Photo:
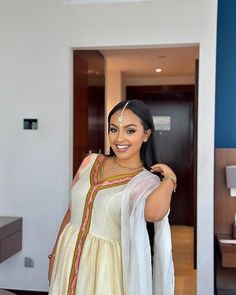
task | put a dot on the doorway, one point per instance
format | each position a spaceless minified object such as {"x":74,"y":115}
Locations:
{"x":178,"y":100}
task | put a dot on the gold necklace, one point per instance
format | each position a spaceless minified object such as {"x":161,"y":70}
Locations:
{"x":124,"y":167}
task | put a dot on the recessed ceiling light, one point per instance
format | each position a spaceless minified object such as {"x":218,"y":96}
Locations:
{"x":158,"y":70}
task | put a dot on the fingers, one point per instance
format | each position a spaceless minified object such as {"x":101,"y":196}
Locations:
{"x":158,"y":167}
{"x":163,"y":169}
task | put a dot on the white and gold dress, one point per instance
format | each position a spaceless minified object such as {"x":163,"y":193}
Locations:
{"x":88,"y":256}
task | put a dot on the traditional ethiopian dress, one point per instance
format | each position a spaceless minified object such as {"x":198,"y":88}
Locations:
{"x":100,"y":251}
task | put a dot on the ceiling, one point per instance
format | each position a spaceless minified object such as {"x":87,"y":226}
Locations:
{"x":174,"y":61}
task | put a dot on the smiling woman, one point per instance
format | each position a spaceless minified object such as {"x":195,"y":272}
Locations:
{"x":127,"y":138}
{"x":138,"y":125}
{"x":103,"y":239}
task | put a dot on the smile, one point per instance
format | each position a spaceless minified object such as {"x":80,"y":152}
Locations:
{"x":121,"y":147}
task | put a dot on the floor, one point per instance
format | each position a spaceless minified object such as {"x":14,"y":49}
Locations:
{"x":185,"y":275}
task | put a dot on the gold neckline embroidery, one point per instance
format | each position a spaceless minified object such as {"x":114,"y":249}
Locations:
{"x":102,"y":179}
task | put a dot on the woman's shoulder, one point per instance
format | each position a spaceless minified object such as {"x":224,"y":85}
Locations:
{"x":149,"y":176}
{"x":89,"y":158}
{"x":144,"y":181}
{"x":141,"y":186}
{"x":85,"y":164}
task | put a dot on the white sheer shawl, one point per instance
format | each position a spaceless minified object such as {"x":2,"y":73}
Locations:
{"x":136,"y":256}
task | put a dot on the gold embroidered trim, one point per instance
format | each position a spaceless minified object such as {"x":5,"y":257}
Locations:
{"x":91,"y":196}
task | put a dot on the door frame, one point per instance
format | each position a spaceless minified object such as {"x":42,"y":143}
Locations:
{"x":205,"y":160}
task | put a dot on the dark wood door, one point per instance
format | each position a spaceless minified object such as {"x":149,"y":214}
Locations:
{"x":88,"y":104}
{"x":96,"y":116}
{"x":80,"y":110}
{"x":174,"y":147}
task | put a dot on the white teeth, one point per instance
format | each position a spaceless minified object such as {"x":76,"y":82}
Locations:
{"x":122,"y":146}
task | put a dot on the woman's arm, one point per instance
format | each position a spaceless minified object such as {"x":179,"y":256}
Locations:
{"x":65,"y":221}
{"x":158,"y":202}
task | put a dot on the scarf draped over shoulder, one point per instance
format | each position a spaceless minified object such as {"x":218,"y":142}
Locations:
{"x":140,"y":278}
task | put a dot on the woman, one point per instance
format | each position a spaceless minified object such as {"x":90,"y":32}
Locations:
{"x":103,"y":246}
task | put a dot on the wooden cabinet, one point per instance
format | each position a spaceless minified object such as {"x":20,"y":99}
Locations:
{"x":10,"y":236}
{"x":225,"y":208}
{"x":227,"y":250}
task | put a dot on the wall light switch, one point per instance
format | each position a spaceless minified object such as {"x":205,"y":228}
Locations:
{"x":29,"y":262}
{"x":30,"y":124}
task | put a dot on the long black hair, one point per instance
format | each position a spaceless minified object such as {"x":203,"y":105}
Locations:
{"x":147,"y":152}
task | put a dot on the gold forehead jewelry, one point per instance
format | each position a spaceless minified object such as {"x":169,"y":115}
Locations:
{"x":120,"y":119}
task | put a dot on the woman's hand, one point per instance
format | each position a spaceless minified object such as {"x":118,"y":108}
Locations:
{"x":164,"y":170}
{"x":51,"y":262}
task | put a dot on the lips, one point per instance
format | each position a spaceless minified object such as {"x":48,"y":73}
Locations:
{"x":121,"y":147}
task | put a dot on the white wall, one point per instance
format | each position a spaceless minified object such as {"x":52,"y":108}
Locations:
{"x":113,"y":94}
{"x":36,"y":81}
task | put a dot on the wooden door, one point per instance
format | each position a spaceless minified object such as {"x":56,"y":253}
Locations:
{"x":174,"y":147}
{"x":80,"y":110}
{"x":88,"y":104}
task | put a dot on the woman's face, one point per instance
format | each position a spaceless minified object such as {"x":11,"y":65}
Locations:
{"x":127,"y":138}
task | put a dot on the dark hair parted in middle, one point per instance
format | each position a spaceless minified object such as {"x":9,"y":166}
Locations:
{"x":147,"y":152}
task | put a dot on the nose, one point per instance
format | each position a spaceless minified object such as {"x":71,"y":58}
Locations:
{"x":120,"y":136}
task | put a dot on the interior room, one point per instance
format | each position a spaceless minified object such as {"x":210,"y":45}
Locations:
{"x":39,"y":40}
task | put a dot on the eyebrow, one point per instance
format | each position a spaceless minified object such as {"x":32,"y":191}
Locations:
{"x":126,"y":126}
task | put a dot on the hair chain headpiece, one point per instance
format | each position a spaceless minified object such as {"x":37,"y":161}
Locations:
{"x":120,"y":119}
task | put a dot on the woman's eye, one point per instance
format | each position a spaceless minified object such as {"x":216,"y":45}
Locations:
{"x":112,"y":130}
{"x":130,"y":131}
